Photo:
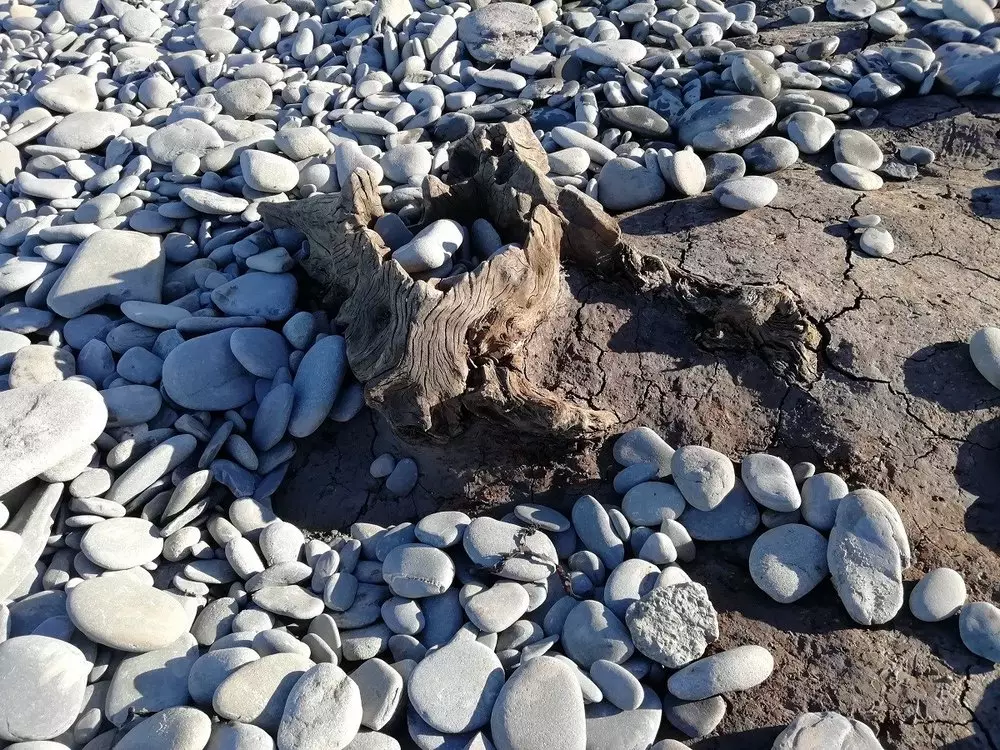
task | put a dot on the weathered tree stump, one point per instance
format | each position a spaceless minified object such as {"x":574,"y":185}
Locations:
{"x":433,"y":355}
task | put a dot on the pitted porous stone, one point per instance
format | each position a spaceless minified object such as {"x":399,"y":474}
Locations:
{"x":674,"y":625}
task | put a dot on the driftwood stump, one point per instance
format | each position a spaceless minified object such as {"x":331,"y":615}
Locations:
{"x":434,"y":354}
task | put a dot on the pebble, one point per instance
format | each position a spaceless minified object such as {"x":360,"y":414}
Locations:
{"x":820,"y":495}
{"x":499,"y":32}
{"x":770,"y":481}
{"x":737,"y":669}
{"x":211,"y":669}
{"x":454,"y":688}
{"x":540,"y":706}
{"x":418,"y":570}
{"x":120,"y":612}
{"x":857,"y":148}
{"x":877,"y":242}
{"x":489,"y":543}
{"x":703,"y":476}
{"x":179,"y":728}
{"x":789,"y":561}
{"x":256,"y":693}
{"x":694,"y":718}
{"x":43,"y":689}
{"x":826,"y":730}
{"x":674,"y":625}
{"x":940,"y":594}
{"x":979,"y":627}
{"x":317,"y":382}
{"x":623,"y":185}
{"x":592,"y":631}
{"x":746,"y":193}
{"x":736,"y":517}
{"x":122,"y":543}
{"x":770,"y":154}
{"x":609,"y":726}
{"x":594,"y":528}
{"x":323,"y":710}
{"x":984,"y":348}
{"x":146,"y":683}
{"x":617,"y":684}
{"x":643,"y":445}
{"x":865,"y":562}
{"x":856,"y":177}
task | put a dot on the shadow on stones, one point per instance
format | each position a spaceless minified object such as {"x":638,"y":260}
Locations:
{"x":986,"y":201}
{"x":944,"y":373}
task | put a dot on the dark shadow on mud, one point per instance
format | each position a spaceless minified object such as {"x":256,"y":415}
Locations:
{"x":986,"y":202}
{"x":944,"y":374}
{"x":977,"y":470}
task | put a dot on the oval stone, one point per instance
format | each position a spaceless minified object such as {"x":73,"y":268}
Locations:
{"x":455,"y":687}
{"x":739,"y":668}
{"x":122,"y":543}
{"x":724,"y":123}
{"x":789,"y":561}
{"x":939,"y":595}
{"x":541,"y":706}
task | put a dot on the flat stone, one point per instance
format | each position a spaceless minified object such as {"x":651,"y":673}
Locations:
{"x":746,"y":193}
{"x":84,"y":131}
{"x":239,"y":736}
{"x":725,"y":123}
{"x":501,"y":31}
{"x":256,"y":693}
{"x":382,"y":691}
{"x":268,"y":173}
{"x":639,"y":119}
{"x":979,"y":627}
{"x":545,"y":518}
{"x":261,"y":351}
{"x":739,"y":668}
{"x":267,"y":295}
{"x":865,"y":559}
{"x":617,"y":684}
{"x":43,"y":688}
{"x":203,"y":373}
{"x":611,"y":53}
{"x":122,"y":543}
{"x":592,"y":631}
{"x":68,"y":93}
{"x":117,"y":611}
{"x":826,"y":731}
{"x":141,"y":475}
{"x":111,"y":266}
{"x":442,"y":529}
{"x":809,"y":131}
{"x":323,"y":711}
{"x":489,"y":543}
{"x":789,"y":561}
{"x":770,"y":154}
{"x":856,"y":177}
{"x":497,"y":607}
{"x":293,"y":602}
{"x":938,"y":595}
{"x":455,"y":687}
{"x":146,"y":683}
{"x":540,"y":706}
{"x":857,"y":148}
{"x":43,"y":425}
{"x":609,"y":726}
{"x":703,"y":476}
{"x":180,"y":728}
{"x":673,"y":626}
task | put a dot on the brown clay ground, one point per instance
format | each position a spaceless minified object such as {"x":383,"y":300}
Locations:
{"x":896,"y":405}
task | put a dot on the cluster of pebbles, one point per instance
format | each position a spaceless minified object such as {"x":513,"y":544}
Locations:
{"x":233,"y":631}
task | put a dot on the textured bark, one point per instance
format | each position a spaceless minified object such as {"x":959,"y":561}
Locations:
{"x":433,"y":354}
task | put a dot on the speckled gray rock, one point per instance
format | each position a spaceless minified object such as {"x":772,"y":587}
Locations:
{"x":938,"y":595}
{"x":820,"y":495}
{"x":703,"y":476}
{"x":624,"y":184}
{"x":864,"y":559}
{"x":739,"y":668}
{"x":454,"y":688}
{"x":43,"y":688}
{"x":382,"y":691}
{"x":323,"y":711}
{"x":591,"y":631}
{"x":789,"y":561}
{"x":979,"y":626}
{"x":735,"y":517}
{"x":673,"y":626}
{"x":488,"y":542}
{"x":857,"y":148}
{"x":501,"y":31}
{"x":826,"y":731}
{"x":541,"y":706}
{"x":770,"y":482}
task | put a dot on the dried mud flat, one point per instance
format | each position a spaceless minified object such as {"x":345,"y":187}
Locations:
{"x":894,"y":403}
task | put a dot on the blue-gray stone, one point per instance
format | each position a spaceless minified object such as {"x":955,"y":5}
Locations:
{"x":317,"y":382}
{"x":202,"y":373}
{"x":269,"y":295}
{"x":260,"y":350}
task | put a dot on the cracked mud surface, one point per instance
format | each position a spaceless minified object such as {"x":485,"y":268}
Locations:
{"x":896,"y":404}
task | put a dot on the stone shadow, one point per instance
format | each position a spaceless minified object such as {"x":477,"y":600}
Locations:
{"x":977,"y":470}
{"x":986,"y":202}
